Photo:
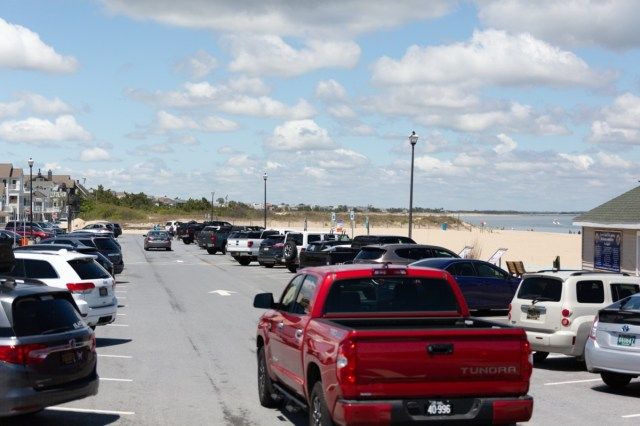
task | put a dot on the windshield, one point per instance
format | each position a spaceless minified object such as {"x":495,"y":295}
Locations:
{"x":370,"y":254}
{"x":158,"y":234}
{"x":541,"y":288}
{"x":88,"y":269}
{"x":392,"y":294}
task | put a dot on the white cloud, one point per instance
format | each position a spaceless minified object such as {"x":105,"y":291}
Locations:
{"x":271,"y":55}
{"x":579,"y":162}
{"x":326,"y":18}
{"x":315,"y":172}
{"x":300,"y":135}
{"x":490,"y":58}
{"x":274,"y":165}
{"x":619,"y":122}
{"x":10,"y":109}
{"x":198,"y":65}
{"x":506,"y":144}
{"x":341,"y":158}
{"x":41,"y":105}
{"x":249,"y":85}
{"x":21,"y":48}
{"x":330,"y":90}
{"x":612,"y":24}
{"x":167,"y":122}
{"x":341,"y":111}
{"x":435,"y":167}
{"x":226,"y":98}
{"x":466,"y":160}
{"x":94,"y":154}
{"x":613,"y":161}
{"x":64,"y":128}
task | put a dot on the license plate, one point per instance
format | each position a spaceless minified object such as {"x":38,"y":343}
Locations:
{"x":104,"y":291}
{"x":266,"y":249}
{"x":626,"y":340}
{"x":439,"y":408}
{"x":68,"y":358}
{"x":533,"y":314}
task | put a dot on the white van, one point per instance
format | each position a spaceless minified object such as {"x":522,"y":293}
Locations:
{"x":557,"y":308}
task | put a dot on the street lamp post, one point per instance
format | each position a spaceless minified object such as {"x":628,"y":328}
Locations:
{"x":413,"y":139}
{"x":30,"y":189}
{"x":265,"y":199}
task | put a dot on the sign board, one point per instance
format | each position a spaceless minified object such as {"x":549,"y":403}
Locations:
{"x":466,"y":251}
{"x":333,"y":216}
{"x":495,"y":258}
{"x":352,"y":215}
{"x":607,"y":247}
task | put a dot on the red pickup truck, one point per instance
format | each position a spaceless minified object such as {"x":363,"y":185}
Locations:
{"x":365,"y":345}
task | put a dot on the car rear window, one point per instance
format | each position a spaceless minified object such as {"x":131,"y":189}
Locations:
{"x":296,"y":238}
{"x":540,"y":288}
{"x":88,"y":269}
{"x":620,"y":291}
{"x":370,"y":254}
{"x":273,"y":239}
{"x":106,"y":244}
{"x":590,"y":291}
{"x":312,"y":238}
{"x":44,"y":314}
{"x":390,"y":294}
{"x":253,"y":234}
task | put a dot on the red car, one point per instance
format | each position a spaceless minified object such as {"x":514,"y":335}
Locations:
{"x":368,"y":345}
{"x":30,"y":231}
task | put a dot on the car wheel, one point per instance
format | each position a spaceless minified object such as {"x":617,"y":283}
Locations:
{"x":212,"y":251}
{"x":186,"y":241}
{"x":224,"y":248}
{"x":292,"y":268}
{"x":290,"y":251}
{"x":615,"y":380}
{"x":318,"y":412}
{"x":146,"y":249}
{"x":243,"y":261}
{"x":265,"y":386}
{"x":540,"y":356}
{"x":268,"y":265}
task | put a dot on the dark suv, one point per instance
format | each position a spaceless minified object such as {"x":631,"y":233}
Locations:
{"x":106,"y":245}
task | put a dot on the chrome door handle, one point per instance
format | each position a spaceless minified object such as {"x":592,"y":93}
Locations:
{"x":298,"y":334}
{"x":281,"y":325}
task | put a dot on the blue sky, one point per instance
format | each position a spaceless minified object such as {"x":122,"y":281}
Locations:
{"x":518,"y":105}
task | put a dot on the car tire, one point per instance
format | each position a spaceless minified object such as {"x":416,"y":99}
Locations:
{"x":224,"y":248}
{"x":212,"y":251}
{"x":186,"y":241}
{"x":290,"y":251}
{"x":146,"y":249}
{"x":615,"y":380}
{"x":268,"y":265}
{"x":318,"y":412}
{"x":539,"y":356}
{"x":243,"y":261}
{"x":261,"y":263}
{"x":265,"y":386}
{"x":292,"y":268}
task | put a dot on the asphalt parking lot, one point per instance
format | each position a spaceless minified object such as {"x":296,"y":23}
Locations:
{"x":182,"y":352}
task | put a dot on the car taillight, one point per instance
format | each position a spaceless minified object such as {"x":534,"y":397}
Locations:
{"x":565,"y":322}
{"x":278,"y":245}
{"x":346,"y":363}
{"x":81,"y":288}
{"x":566,"y":313}
{"x":389,"y":271}
{"x":509,"y":314}
{"x":594,"y":328}
{"x":19,"y":354}
{"x":213,"y":238}
{"x":250,"y":244}
{"x":93,"y":343}
{"x":150,"y":238}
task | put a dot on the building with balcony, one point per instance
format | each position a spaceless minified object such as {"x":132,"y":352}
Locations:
{"x":13,"y":203}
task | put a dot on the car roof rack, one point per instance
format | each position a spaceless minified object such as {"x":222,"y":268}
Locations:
{"x":624,"y":274}
{"x":557,"y":270}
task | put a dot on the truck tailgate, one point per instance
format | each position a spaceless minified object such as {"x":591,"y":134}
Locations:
{"x":441,"y":363}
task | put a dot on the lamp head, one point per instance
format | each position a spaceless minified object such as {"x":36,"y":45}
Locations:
{"x":30,"y":162}
{"x":413,"y":139}
{"x":264,"y":176}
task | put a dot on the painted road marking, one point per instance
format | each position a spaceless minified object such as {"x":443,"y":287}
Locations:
{"x":87,"y":410}
{"x":117,"y":325}
{"x":106,"y":379}
{"x":115,"y":356}
{"x":222,"y":292}
{"x":572,"y":381}
{"x":124,"y":315}
{"x":629,"y":416}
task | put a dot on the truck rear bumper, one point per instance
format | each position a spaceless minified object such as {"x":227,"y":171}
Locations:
{"x":465,"y":411}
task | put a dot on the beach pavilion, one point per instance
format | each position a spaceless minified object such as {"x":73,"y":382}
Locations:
{"x":611,"y":234}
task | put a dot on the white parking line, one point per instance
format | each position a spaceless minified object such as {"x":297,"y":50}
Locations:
{"x":572,"y":381}
{"x":124,"y":315}
{"x":117,"y":325}
{"x":106,"y":379}
{"x":115,"y":356}
{"x":86,"y":410}
{"x":121,"y":291}
{"x":629,"y":416}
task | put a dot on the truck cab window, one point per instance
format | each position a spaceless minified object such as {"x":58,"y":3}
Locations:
{"x":289,"y":295}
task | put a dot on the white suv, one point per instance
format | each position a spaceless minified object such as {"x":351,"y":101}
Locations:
{"x":91,"y":285}
{"x":557,"y":308}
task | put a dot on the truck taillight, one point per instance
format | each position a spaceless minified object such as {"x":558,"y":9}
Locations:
{"x":249,"y":243}
{"x":213,"y":238}
{"x":346,"y":363}
{"x":527,"y":359}
{"x":81,"y":288}
{"x":594,"y":328}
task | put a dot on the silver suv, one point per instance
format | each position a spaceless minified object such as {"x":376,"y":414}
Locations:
{"x":47,"y":352}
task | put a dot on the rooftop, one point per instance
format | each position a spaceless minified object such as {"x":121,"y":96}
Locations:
{"x":624,"y":209}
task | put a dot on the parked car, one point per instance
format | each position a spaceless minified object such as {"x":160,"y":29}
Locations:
{"x":51,"y":228}
{"x":117,"y":230}
{"x":80,"y":248}
{"x":244,"y":247}
{"x":270,"y":251}
{"x":217,"y":238}
{"x":295,"y":242}
{"x":369,"y":240}
{"x":107,"y":246}
{"x":331,"y":252}
{"x":557,"y":308}
{"x":400,"y":254}
{"x":370,"y":344}
{"x":93,"y":288}
{"x":614,"y":340}
{"x":204,"y":236}
{"x":157,"y":239}
{"x":100,"y":229}
{"x":484,"y":286}
{"x":9,"y":237}
{"x":29,"y":229}
{"x":47,"y":352}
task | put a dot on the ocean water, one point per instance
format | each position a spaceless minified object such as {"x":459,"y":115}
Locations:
{"x":523,"y":222}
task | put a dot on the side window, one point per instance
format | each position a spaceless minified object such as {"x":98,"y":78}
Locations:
{"x":441,"y":253}
{"x":420,"y":253}
{"x":289,"y":295}
{"x":303,"y":301}
{"x":406,"y":253}
{"x":620,"y":291}
{"x":488,"y":271}
{"x":312,"y":238}
{"x":590,"y":291}
{"x":18,"y":269}
{"x":39,"y":269}
{"x":462,"y":269}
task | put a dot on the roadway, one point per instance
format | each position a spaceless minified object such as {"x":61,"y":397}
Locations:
{"x":182,"y":351}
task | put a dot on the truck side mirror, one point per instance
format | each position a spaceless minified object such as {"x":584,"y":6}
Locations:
{"x":263,"y":301}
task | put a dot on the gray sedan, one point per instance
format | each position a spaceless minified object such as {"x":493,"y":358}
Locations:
{"x":613,"y":347}
{"x":157,"y":239}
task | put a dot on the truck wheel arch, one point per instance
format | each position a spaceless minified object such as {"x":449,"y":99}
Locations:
{"x":313,"y":376}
